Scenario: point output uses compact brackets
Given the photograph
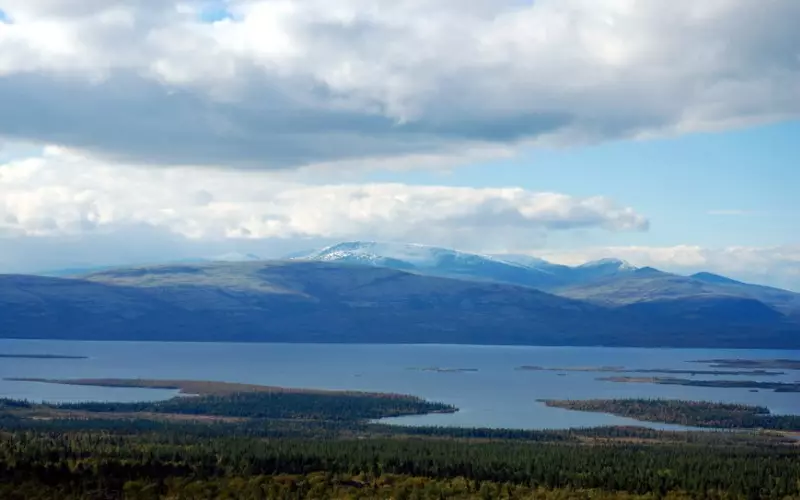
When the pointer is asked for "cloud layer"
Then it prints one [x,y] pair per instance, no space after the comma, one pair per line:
[282,83]
[66,193]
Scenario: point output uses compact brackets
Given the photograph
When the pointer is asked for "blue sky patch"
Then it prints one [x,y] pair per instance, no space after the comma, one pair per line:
[215,11]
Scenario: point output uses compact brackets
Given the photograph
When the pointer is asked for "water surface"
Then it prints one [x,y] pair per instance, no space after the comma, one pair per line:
[496,395]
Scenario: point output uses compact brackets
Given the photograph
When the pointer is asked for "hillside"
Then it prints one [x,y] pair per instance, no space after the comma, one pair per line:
[608,282]
[306,301]
[650,285]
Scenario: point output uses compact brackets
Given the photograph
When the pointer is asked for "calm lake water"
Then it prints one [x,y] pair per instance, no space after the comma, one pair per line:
[496,395]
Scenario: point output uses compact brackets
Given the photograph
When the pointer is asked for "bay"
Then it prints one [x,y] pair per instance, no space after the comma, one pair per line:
[495,395]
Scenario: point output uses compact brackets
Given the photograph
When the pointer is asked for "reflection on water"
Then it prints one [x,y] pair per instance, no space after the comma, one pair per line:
[496,395]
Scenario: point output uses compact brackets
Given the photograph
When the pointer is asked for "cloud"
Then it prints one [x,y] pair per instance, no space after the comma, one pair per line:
[778,265]
[65,194]
[283,83]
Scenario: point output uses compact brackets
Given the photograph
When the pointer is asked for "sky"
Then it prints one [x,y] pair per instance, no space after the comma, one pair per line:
[663,133]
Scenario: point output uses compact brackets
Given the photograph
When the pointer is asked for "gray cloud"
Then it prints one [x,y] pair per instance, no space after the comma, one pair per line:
[302,82]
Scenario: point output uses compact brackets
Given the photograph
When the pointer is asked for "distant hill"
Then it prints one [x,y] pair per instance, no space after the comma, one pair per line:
[69,272]
[310,301]
[649,285]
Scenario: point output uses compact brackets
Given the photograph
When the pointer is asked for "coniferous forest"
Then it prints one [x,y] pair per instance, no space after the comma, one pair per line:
[325,445]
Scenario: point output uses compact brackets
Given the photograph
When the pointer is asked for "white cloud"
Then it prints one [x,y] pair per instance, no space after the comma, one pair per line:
[297,82]
[779,265]
[64,193]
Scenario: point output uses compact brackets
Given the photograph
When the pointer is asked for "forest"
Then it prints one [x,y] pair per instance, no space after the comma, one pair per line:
[168,464]
[269,443]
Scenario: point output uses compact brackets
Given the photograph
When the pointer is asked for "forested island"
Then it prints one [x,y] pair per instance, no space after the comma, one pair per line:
[689,413]
[780,364]
[445,370]
[245,401]
[670,371]
[40,356]
[727,384]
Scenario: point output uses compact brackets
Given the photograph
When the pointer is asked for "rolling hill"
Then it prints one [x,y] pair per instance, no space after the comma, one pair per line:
[309,301]
[648,285]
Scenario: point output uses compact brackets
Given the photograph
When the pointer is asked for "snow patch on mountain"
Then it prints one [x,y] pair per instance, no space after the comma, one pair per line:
[517,269]
[377,253]
[618,264]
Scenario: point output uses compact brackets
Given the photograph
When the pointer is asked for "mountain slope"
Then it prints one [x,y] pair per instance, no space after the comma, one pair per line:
[279,301]
[782,300]
[305,301]
[648,285]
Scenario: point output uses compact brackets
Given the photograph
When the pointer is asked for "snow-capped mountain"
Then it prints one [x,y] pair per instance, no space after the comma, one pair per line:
[517,269]
[432,261]
[600,269]
[532,262]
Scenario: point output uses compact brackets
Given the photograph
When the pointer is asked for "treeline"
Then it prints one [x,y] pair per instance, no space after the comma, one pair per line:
[6,404]
[689,413]
[95,464]
[325,429]
[277,405]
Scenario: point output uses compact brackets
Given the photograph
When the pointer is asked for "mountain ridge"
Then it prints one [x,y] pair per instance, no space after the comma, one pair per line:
[439,261]
[308,301]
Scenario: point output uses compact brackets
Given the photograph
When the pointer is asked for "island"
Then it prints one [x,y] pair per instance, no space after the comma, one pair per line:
[727,384]
[249,401]
[780,364]
[669,371]
[688,413]
[40,356]
[445,370]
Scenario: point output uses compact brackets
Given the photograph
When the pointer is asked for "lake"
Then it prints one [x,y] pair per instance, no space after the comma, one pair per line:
[496,395]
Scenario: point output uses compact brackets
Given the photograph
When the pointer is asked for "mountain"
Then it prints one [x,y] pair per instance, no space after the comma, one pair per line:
[309,301]
[782,300]
[610,282]
[532,262]
[432,261]
[648,285]
[715,279]
[436,261]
